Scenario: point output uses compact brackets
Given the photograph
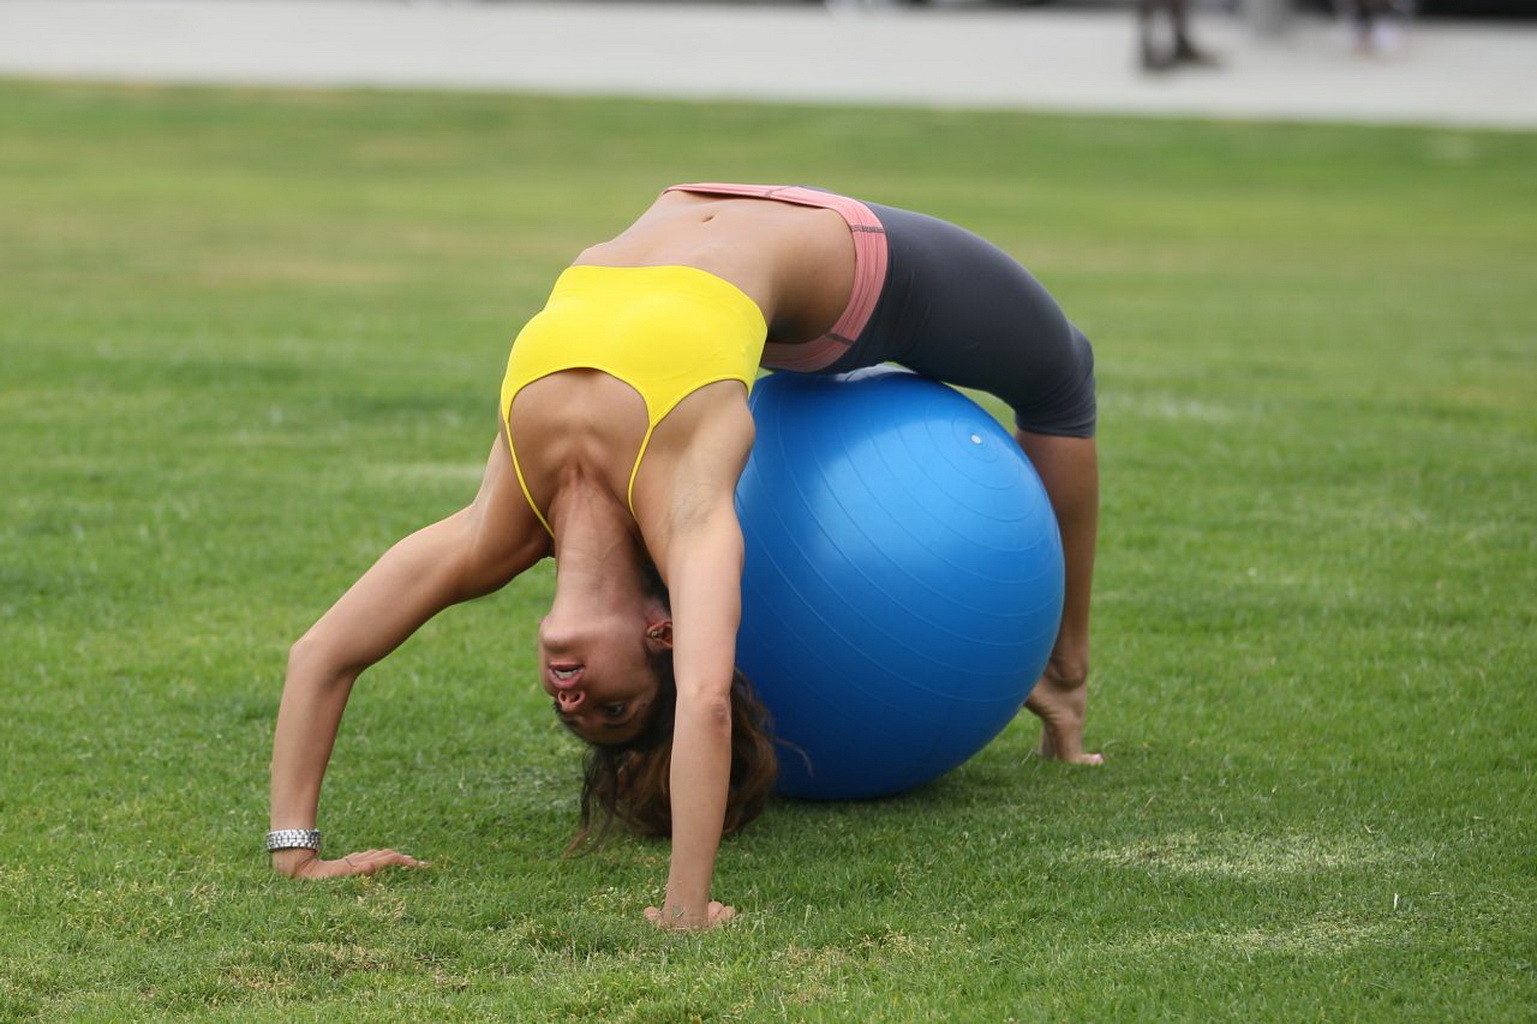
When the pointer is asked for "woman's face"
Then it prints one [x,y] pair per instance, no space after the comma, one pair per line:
[599,674]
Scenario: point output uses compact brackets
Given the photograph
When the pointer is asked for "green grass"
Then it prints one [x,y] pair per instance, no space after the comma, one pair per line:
[248,339]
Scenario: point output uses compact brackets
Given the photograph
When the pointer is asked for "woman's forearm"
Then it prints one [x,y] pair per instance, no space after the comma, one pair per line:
[314,697]
[700,777]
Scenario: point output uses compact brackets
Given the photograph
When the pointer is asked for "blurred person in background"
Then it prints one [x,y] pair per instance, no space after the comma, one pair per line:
[1374,25]
[1163,32]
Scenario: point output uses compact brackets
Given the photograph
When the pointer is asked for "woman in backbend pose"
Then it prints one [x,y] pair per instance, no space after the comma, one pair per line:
[624,427]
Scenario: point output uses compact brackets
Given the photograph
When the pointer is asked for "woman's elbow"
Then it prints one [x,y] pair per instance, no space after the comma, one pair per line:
[304,650]
[711,711]
[312,656]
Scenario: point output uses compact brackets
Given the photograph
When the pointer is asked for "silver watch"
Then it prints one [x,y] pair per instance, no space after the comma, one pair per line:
[293,839]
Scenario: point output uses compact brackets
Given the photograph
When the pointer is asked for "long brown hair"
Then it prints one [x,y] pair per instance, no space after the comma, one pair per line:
[629,782]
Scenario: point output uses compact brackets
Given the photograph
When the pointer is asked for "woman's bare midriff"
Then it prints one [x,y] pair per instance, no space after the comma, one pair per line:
[795,262]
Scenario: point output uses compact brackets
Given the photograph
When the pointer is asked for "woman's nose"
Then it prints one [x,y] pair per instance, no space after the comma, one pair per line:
[569,700]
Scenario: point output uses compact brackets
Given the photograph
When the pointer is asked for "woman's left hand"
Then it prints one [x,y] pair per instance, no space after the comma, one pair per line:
[676,919]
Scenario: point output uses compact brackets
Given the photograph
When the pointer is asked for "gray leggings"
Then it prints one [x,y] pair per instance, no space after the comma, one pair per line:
[959,309]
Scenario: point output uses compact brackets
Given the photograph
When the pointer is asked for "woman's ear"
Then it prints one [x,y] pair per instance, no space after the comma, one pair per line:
[659,635]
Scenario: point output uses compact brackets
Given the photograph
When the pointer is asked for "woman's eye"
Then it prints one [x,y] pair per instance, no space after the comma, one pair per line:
[614,710]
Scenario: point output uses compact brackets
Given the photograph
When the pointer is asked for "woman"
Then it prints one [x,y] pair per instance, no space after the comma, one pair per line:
[624,427]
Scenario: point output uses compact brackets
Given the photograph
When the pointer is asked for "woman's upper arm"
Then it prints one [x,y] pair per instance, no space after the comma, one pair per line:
[703,565]
[473,552]
[705,587]
[504,537]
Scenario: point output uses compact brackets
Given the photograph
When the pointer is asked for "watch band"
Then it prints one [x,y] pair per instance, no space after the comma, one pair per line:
[293,839]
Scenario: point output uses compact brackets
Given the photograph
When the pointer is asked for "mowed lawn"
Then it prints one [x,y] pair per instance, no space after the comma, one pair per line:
[249,339]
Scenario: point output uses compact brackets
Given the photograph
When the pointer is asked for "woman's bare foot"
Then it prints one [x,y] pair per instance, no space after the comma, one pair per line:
[1061,707]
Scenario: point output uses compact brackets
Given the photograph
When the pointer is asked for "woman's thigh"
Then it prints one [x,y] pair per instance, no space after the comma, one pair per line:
[958,309]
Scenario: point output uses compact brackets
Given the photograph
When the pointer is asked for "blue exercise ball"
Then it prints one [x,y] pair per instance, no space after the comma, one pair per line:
[903,579]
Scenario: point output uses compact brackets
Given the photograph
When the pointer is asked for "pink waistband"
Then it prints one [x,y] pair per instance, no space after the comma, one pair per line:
[869,270]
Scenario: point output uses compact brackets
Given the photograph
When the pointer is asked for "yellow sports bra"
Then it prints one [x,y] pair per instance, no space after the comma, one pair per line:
[665,331]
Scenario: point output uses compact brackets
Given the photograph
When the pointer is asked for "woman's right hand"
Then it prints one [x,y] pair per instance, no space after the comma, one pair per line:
[303,863]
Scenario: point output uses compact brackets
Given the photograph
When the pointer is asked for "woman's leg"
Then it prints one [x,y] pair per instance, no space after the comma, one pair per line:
[1069,467]
[958,309]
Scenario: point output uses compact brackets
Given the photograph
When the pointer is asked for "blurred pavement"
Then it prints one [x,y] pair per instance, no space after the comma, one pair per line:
[1053,58]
